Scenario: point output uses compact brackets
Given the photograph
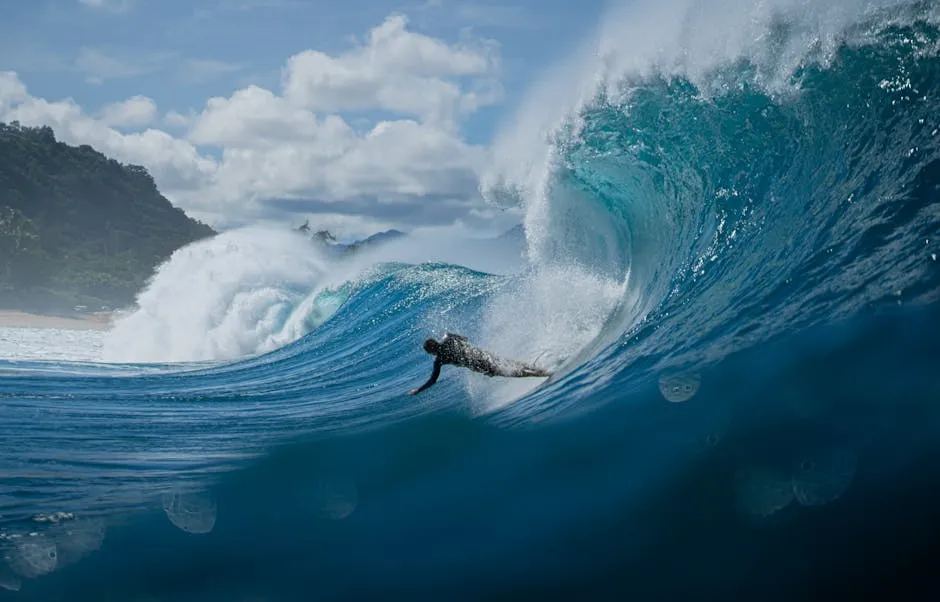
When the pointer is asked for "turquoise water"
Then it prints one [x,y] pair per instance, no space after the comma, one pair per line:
[733,271]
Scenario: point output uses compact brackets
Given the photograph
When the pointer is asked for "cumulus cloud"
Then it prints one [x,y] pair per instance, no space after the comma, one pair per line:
[253,117]
[12,91]
[397,70]
[135,112]
[177,120]
[260,154]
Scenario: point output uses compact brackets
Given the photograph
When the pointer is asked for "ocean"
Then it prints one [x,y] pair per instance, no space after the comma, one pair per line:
[729,260]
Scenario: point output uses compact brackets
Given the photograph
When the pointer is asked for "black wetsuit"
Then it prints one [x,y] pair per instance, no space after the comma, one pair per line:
[456,351]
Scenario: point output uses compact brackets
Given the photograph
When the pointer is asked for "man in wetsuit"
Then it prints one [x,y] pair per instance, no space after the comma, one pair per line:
[453,349]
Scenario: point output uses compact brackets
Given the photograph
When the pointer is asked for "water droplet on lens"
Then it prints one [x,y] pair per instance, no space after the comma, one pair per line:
[335,499]
[679,387]
[822,477]
[78,539]
[762,493]
[8,579]
[191,512]
[33,556]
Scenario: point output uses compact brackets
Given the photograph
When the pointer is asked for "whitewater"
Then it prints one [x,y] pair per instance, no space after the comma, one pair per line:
[729,259]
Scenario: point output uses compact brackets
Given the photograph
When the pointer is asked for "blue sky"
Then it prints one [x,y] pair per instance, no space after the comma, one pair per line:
[162,61]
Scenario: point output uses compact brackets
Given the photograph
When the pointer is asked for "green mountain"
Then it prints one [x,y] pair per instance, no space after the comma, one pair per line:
[78,228]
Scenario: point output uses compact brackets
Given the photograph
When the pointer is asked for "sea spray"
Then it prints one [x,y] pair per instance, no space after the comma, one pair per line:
[240,293]
[547,317]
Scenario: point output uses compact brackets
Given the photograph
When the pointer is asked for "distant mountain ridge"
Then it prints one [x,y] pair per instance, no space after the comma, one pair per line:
[375,239]
[77,227]
[327,238]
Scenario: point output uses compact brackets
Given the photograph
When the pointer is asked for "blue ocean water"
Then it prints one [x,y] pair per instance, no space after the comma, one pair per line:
[730,261]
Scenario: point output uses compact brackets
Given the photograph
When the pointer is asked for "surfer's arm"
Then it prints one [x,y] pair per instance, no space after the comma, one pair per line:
[432,380]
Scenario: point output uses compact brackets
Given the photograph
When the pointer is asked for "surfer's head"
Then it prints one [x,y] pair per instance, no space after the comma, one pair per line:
[431,346]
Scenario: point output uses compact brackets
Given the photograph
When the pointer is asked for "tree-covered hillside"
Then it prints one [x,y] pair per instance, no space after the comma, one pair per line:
[77,227]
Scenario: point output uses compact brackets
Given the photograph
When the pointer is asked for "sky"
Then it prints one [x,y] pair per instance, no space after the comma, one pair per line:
[357,115]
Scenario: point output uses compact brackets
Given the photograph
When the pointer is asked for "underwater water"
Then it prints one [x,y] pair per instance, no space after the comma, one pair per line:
[730,263]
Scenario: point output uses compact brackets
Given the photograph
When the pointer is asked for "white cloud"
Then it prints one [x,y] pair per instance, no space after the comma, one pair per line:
[177,120]
[274,151]
[135,112]
[399,71]
[253,117]
[259,154]
[12,91]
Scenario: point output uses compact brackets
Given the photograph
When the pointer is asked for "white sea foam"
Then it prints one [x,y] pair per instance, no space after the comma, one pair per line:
[240,293]
[546,318]
[50,344]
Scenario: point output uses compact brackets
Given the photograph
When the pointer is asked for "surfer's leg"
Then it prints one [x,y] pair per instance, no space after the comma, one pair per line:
[490,365]
[484,363]
[524,371]
[520,370]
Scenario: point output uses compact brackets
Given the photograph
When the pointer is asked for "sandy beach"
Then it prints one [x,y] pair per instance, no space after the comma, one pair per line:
[19,319]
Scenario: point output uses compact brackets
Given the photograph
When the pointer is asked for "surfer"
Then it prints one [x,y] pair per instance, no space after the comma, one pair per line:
[454,349]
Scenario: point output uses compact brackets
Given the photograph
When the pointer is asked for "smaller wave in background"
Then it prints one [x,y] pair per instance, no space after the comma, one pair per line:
[240,293]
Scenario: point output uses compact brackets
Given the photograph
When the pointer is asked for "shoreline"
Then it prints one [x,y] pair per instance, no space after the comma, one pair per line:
[22,319]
